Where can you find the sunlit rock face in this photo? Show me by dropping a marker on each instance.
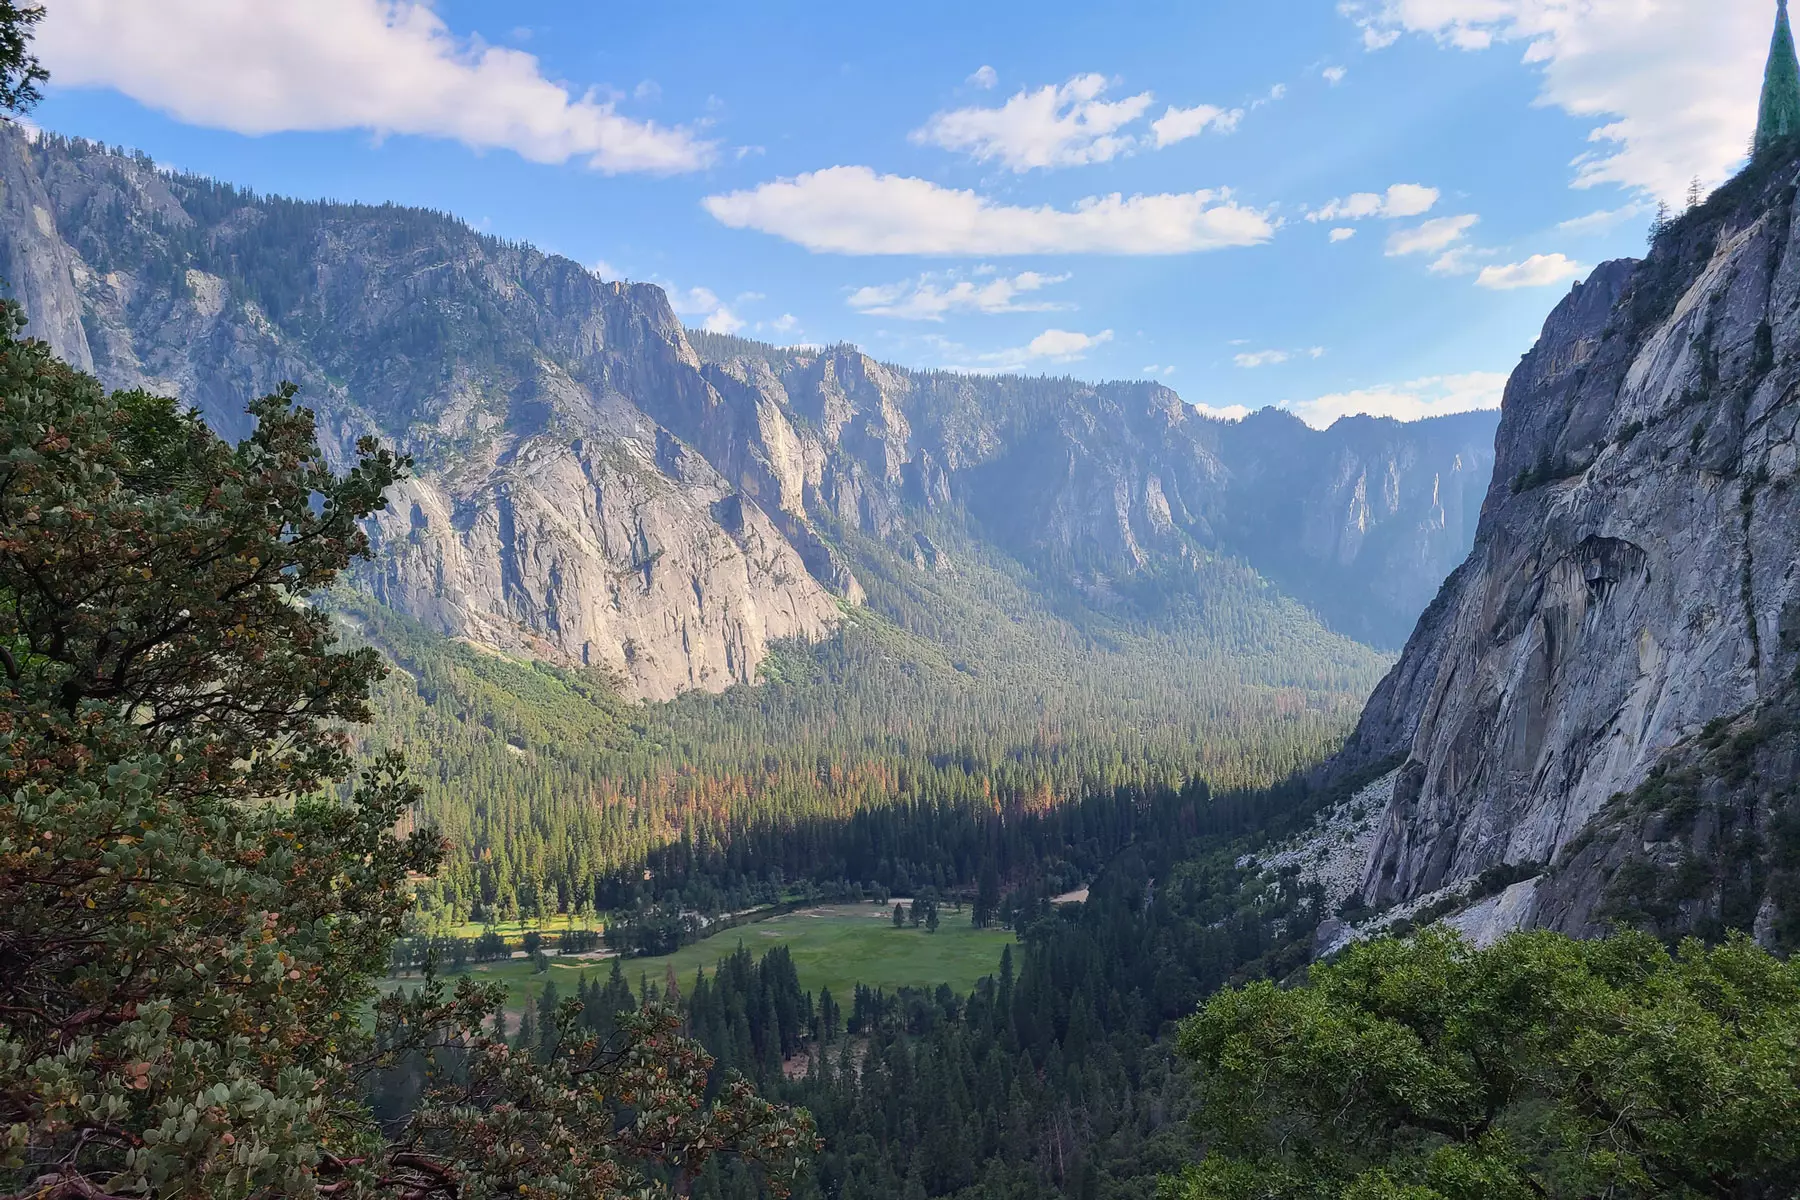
(596, 486)
(1635, 576)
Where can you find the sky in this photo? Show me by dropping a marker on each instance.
(1366, 206)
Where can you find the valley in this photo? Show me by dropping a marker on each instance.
(834, 948)
(477, 726)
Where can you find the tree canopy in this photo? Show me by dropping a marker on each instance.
(1540, 1067)
(197, 892)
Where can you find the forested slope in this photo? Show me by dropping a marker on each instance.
(972, 701)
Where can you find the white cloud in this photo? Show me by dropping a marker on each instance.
(1433, 236)
(1671, 84)
(1435, 396)
(1603, 221)
(1154, 370)
(932, 297)
(1063, 126)
(1540, 270)
(1067, 126)
(606, 270)
(1334, 75)
(1342, 235)
(1261, 358)
(852, 210)
(1274, 358)
(785, 323)
(1180, 124)
(1231, 412)
(387, 66)
(1458, 260)
(1400, 200)
(1050, 346)
(1064, 346)
(701, 302)
(985, 78)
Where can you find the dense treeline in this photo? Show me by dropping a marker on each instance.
(960, 695)
(900, 754)
(1050, 1078)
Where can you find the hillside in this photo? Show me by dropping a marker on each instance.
(957, 592)
(592, 491)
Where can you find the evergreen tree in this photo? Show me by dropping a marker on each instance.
(196, 896)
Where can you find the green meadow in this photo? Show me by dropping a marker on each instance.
(834, 946)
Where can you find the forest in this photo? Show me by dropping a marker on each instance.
(897, 755)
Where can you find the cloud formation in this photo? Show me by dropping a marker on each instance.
(1603, 221)
(1050, 346)
(1434, 396)
(1065, 126)
(1230, 412)
(1342, 235)
(1540, 270)
(1672, 87)
(1070, 125)
(1432, 237)
(1401, 200)
(853, 210)
(931, 298)
(1272, 358)
(715, 316)
(387, 66)
(1180, 124)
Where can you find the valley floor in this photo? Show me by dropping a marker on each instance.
(833, 946)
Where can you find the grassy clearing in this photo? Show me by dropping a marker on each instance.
(514, 931)
(834, 946)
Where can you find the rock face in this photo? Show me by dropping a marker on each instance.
(1364, 521)
(598, 486)
(1635, 577)
(1116, 487)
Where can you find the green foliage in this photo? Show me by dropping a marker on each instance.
(887, 757)
(1539, 1067)
(195, 898)
(1546, 471)
(20, 71)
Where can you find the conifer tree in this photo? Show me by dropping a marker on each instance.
(195, 894)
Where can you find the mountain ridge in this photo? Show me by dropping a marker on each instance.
(595, 492)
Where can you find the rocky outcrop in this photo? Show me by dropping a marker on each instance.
(1635, 578)
(597, 486)
(1361, 521)
(552, 514)
(1116, 489)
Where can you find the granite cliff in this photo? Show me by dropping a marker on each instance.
(597, 486)
(1603, 696)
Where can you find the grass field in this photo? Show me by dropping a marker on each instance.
(515, 931)
(834, 946)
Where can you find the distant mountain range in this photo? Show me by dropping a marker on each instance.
(598, 486)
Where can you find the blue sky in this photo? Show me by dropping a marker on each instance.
(1331, 207)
